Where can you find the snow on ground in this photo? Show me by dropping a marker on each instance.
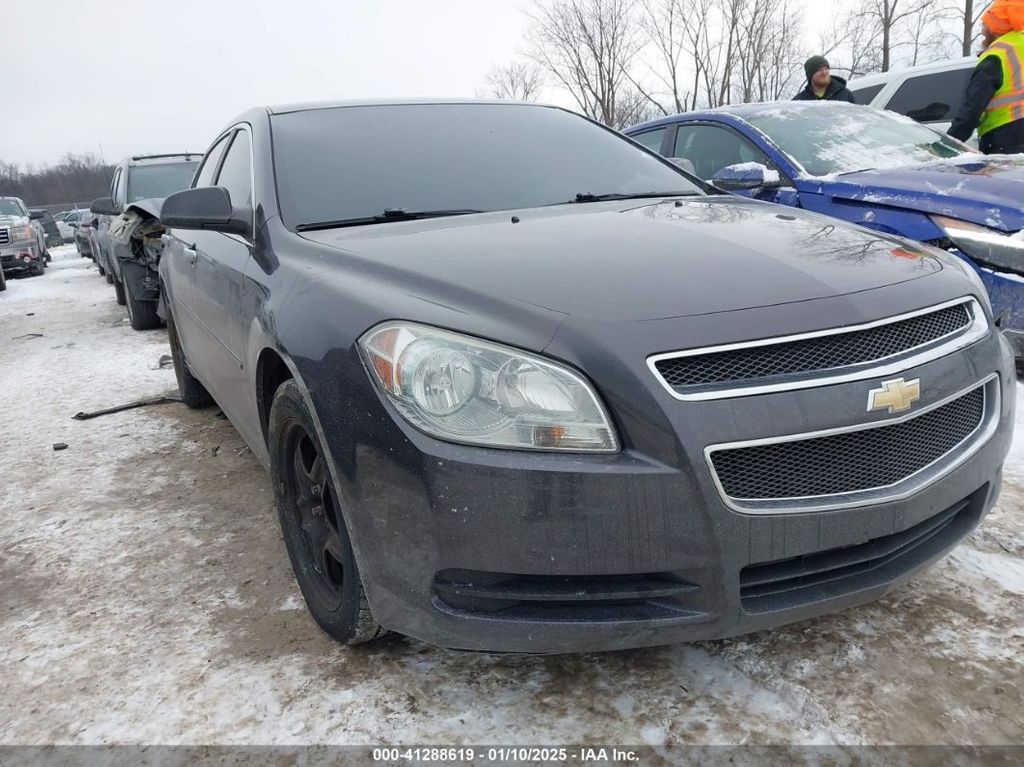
(147, 598)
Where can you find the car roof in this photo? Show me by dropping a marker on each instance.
(310, 105)
(743, 112)
(157, 159)
(881, 78)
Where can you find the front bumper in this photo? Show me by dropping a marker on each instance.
(19, 257)
(508, 551)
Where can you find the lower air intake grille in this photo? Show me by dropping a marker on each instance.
(851, 461)
(563, 598)
(788, 583)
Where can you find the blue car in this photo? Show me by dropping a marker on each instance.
(873, 168)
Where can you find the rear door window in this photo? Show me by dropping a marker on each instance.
(210, 163)
(236, 172)
(931, 98)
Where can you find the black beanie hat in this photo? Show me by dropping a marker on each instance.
(813, 64)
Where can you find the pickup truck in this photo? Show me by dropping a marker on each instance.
(22, 243)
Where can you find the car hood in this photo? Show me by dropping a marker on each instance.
(983, 190)
(638, 261)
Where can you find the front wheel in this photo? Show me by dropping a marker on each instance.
(311, 522)
(3, 282)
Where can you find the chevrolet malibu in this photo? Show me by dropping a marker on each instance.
(523, 385)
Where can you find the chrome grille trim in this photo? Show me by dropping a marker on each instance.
(5, 235)
(897, 363)
(904, 488)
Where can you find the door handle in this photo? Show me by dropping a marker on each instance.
(191, 255)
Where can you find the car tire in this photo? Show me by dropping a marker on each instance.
(3, 282)
(141, 314)
(312, 523)
(193, 393)
(118, 290)
(103, 272)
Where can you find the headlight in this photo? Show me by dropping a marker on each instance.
(463, 389)
(22, 233)
(992, 248)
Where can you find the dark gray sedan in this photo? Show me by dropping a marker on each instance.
(523, 385)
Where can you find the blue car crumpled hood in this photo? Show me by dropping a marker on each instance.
(985, 190)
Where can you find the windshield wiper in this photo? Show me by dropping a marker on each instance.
(387, 216)
(590, 197)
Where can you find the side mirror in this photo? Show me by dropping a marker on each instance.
(746, 175)
(35, 215)
(208, 208)
(104, 206)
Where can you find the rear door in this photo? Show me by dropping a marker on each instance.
(178, 263)
(219, 279)
(117, 185)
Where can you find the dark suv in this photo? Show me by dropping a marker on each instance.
(124, 248)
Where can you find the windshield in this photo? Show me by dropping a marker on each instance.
(829, 139)
(10, 208)
(145, 181)
(354, 162)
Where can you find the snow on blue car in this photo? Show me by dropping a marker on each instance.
(869, 167)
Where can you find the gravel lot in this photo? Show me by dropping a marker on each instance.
(147, 598)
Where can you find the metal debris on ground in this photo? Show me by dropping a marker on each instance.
(80, 416)
(60, 445)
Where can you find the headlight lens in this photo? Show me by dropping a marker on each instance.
(22, 233)
(992, 248)
(462, 389)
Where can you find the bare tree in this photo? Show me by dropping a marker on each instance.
(664, 24)
(853, 47)
(770, 33)
(889, 19)
(967, 14)
(515, 81)
(75, 177)
(588, 46)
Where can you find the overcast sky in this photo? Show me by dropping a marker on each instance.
(166, 75)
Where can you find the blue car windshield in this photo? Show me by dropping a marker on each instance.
(830, 139)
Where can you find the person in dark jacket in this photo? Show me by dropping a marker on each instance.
(822, 85)
(994, 100)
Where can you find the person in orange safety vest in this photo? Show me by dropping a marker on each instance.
(994, 101)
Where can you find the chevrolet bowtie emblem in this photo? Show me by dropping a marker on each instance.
(895, 396)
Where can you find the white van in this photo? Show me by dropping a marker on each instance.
(930, 94)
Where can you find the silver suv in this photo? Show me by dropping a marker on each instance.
(22, 246)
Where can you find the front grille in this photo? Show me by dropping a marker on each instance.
(788, 583)
(815, 354)
(563, 598)
(5, 236)
(848, 462)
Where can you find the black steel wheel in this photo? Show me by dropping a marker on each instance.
(312, 523)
